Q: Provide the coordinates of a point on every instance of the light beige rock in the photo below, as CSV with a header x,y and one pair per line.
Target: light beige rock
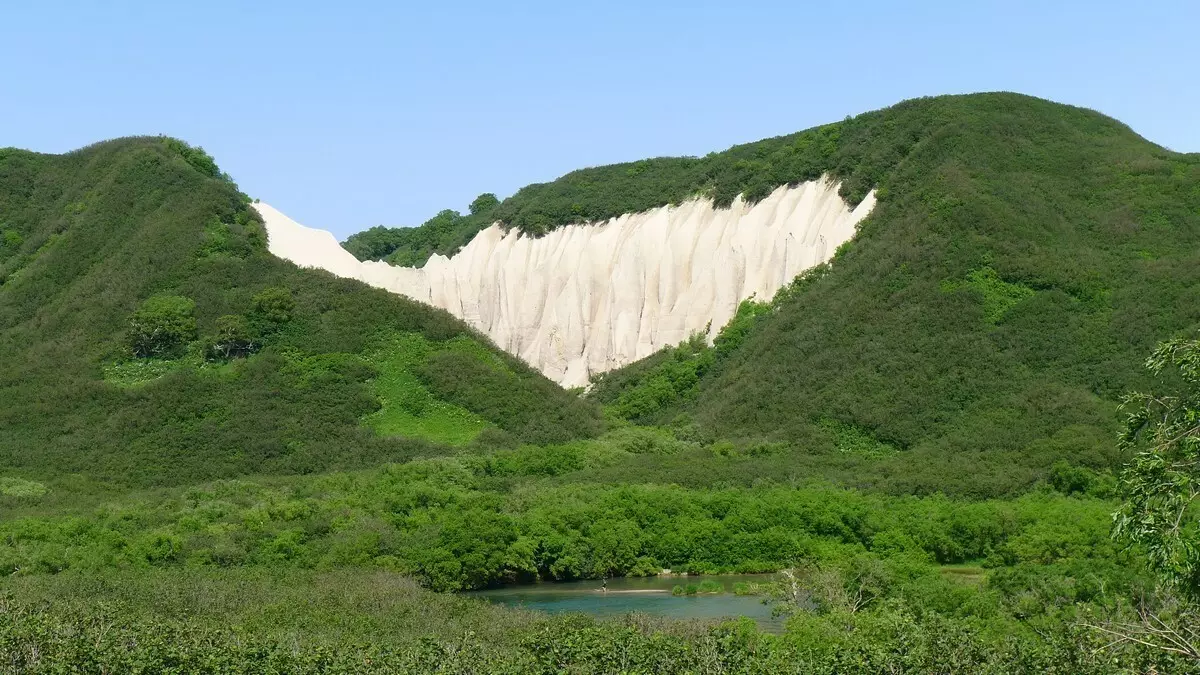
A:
x,y
588,298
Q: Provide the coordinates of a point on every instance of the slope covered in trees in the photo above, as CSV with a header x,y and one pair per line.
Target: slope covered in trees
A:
x,y
147,336
920,440
1023,257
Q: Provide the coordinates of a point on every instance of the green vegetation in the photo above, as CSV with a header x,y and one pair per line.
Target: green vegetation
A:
x,y
303,571
1162,483
444,233
16,487
1022,259
443,521
643,391
211,460
119,280
848,438
349,622
408,406
858,151
996,295
162,326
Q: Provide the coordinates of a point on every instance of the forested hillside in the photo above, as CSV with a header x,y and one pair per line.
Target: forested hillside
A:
x,y
1022,258
244,363
213,461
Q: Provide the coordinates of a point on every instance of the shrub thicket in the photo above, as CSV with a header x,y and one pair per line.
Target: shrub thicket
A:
x,y
150,229
1021,260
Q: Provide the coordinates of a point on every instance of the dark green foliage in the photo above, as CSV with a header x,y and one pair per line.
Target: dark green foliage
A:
x,y
1022,258
1161,486
162,326
110,226
484,204
859,151
303,623
648,391
235,553
444,233
10,241
670,380
411,247
449,522
195,156
242,237
1070,480
233,339
996,295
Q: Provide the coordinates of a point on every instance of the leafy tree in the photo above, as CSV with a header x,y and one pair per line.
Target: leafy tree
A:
x,y
233,339
1162,484
484,204
1161,512
162,326
271,308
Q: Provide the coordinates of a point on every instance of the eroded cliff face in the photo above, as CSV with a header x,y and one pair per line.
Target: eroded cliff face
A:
x,y
588,298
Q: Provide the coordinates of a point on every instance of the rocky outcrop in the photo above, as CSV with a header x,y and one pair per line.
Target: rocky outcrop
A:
x,y
588,298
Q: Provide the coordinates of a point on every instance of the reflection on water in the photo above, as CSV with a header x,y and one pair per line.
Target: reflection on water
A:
x,y
647,595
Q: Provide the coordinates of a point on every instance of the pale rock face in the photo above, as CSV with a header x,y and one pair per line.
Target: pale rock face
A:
x,y
588,298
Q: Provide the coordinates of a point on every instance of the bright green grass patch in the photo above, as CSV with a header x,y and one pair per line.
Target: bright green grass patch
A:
x,y
141,371
851,439
998,295
409,409
967,574
136,372
466,345
19,487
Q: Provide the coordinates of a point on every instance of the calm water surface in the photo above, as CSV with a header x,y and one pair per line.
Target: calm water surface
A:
x,y
647,595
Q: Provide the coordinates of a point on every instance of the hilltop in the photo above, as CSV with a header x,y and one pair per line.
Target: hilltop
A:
x,y
350,376
1022,259
982,325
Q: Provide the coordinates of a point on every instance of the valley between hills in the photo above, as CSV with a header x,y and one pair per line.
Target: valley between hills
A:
x,y
927,379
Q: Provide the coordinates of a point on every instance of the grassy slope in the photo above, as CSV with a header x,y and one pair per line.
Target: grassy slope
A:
x,y
96,231
1022,260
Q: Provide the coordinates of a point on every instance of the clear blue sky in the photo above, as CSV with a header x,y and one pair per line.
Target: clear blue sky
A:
x,y
351,114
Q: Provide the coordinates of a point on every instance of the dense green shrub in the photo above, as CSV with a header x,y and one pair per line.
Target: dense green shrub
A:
x,y
232,340
10,241
463,379
162,326
271,308
195,156
41,637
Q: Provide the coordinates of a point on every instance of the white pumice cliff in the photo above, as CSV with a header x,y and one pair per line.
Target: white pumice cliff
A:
x,y
588,298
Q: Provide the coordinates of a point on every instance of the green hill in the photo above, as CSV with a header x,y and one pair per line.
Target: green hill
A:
x,y
211,460
1022,260
91,235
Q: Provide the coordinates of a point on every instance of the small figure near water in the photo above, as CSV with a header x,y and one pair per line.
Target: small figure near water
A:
x,y
604,585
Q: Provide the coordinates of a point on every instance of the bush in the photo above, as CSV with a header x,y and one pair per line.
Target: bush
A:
x,y
233,339
271,308
162,326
